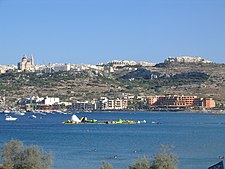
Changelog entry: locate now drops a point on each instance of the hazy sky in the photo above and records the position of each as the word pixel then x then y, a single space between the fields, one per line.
pixel 93 31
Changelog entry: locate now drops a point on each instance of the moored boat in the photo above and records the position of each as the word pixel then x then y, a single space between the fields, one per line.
pixel 10 118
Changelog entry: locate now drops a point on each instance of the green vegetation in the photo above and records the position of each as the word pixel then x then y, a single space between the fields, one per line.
pixel 16 155
pixel 105 165
pixel 164 159
pixel 143 163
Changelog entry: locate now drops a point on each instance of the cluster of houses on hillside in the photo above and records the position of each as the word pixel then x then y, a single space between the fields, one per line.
pixel 28 65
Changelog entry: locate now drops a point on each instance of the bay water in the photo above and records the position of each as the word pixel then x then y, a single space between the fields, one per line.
pixel 198 138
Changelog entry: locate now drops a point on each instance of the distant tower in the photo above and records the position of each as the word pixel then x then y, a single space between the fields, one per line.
pixel 24 59
pixel 32 60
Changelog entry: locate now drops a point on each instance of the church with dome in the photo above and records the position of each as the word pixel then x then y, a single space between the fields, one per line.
pixel 27 65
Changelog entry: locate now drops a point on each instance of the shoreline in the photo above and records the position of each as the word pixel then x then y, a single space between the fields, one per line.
pixel 219 111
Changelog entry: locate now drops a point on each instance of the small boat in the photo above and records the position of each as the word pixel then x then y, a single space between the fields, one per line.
pixel 10 118
pixel 6 111
pixel 33 117
pixel 19 113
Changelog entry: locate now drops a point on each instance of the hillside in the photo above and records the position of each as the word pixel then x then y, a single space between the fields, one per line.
pixel 204 80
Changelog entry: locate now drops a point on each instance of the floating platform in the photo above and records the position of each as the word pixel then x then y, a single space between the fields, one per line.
pixel 84 120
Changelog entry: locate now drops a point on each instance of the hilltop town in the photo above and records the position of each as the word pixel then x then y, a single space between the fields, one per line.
pixel 178 83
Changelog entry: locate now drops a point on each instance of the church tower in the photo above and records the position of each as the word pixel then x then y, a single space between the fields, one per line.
pixel 32 60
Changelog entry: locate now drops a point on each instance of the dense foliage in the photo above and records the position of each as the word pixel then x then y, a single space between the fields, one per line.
pixel 16 155
pixel 164 159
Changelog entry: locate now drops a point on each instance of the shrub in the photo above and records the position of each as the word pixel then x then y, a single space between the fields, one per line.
pixel 164 159
pixel 143 163
pixel 17 156
pixel 106 165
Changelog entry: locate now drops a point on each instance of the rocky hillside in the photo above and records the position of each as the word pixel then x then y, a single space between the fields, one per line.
pixel 205 80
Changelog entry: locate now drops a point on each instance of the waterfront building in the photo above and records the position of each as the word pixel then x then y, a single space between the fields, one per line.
pixel 113 104
pixel 35 102
pixel 50 100
pixel 207 103
pixel 27 65
pixel 84 106
pixel 180 101
pixel 42 100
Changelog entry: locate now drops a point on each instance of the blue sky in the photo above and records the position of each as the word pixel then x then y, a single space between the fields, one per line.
pixel 93 31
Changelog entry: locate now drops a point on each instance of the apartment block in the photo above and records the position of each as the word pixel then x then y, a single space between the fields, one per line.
pixel 113 104
pixel 180 101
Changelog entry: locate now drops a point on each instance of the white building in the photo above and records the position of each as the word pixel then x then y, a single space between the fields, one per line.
pixel 113 104
pixel 43 100
pixel 5 68
pixel 146 64
pixel 59 67
pixel 2 70
pixel 187 59
pixel 121 63
pixel 51 100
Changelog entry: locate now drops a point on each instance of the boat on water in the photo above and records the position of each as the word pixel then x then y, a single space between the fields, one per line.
pixel 6 111
pixel 20 113
pixel 10 118
pixel 33 117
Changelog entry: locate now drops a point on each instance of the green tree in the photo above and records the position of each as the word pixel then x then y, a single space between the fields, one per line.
pixel 165 159
pixel 17 156
pixel 162 160
pixel 106 165
pixel 143 163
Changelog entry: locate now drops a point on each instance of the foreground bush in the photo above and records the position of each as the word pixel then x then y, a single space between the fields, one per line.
pixel 17 156
pixel 164 159
pixel 106 166
pixel 143 163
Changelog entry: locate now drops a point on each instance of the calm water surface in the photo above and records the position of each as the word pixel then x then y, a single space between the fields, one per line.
pixel 199 139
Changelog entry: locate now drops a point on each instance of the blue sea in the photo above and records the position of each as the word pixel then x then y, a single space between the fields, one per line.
pixel 199 139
